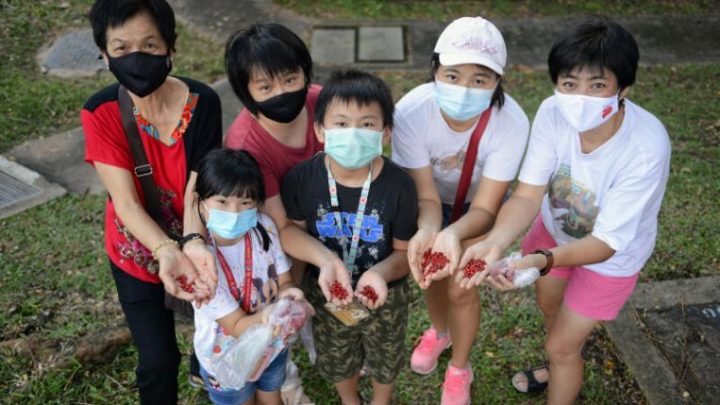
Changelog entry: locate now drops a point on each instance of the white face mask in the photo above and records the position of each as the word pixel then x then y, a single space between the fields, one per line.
pixel 585 112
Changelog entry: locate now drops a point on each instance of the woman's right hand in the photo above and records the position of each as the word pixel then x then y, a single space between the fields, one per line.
pixel 483 250
pixel 421 242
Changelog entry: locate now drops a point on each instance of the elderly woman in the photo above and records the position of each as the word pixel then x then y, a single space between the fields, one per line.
pixel 177 121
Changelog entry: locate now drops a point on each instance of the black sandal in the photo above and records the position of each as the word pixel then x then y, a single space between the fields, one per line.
pixel 533 385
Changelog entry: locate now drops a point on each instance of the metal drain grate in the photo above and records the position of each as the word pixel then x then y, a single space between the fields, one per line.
pixel 13 190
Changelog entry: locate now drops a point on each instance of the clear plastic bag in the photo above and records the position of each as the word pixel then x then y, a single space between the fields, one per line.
pixel 251 353
pixel 521 277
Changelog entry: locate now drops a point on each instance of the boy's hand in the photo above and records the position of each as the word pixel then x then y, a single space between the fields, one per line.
pixel 331 271
pixel 419 244
pixel 483 250
pixel 377 283
pixel 292 293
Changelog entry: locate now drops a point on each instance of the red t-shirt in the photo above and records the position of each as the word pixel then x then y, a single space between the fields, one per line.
pixel 274 158
pixel 198 131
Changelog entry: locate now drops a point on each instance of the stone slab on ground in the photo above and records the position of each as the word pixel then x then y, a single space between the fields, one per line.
pixel 669 336
pixel 333 46
pixel 15 179
pixel 381 44
pixel 73 54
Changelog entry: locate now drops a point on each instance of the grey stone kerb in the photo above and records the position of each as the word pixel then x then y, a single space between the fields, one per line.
pixel 669 340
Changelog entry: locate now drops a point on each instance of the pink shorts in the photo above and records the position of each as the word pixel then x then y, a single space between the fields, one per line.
pixel 587 293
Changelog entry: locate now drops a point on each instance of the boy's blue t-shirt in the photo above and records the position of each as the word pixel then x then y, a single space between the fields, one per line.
pixel 391 210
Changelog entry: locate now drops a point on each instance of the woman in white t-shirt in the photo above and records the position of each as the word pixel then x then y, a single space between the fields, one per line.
pixel 604 163
pixel 434 126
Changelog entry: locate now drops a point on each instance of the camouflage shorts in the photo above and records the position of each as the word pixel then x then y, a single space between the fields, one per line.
pixel 378 340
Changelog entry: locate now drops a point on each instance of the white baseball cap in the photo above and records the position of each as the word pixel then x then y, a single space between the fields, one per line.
pixel 472 40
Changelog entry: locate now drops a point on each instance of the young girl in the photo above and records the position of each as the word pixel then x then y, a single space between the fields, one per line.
pixel 435 125
pixel 591 184
pixel 229 191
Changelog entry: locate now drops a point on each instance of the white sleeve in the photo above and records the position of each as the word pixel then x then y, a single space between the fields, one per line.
pixel 507 151
pixel 541 157
pixel 627 201
pixel 222 304
pixel 407 147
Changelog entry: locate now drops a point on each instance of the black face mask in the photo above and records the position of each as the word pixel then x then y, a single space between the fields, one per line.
pixel 141 73
pixel 283 107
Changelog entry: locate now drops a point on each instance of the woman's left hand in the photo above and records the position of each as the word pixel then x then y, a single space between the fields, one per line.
pixel 173 265
pixel 204 262
pixel 500 282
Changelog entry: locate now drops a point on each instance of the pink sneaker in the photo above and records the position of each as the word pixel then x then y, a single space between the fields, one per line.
pixel 425 356
pixel 456 389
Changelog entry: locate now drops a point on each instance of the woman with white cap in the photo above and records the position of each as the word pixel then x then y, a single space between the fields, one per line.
pixel 461 139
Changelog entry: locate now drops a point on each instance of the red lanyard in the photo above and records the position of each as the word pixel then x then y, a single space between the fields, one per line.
pixel 247 291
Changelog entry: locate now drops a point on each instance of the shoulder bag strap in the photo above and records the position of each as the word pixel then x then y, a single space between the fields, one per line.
pixel 142 169
pixel 469 164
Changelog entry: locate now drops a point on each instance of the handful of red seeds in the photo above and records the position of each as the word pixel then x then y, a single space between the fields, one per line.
pixel 182 280
pixel 433 261
pixel 369 293
pixel 338 291
pixel 473 267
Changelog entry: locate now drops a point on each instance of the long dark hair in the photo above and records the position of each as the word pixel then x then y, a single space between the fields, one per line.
pixel 232 173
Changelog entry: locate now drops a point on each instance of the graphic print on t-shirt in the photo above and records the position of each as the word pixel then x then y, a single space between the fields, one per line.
pixel 450 162
pixel 371 232
pixel 576 202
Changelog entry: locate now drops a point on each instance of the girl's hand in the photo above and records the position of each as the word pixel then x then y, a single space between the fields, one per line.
pixel 483 250
pixel 292 293
pixel 376 282
pixel 204 262
pixel 421 242
pixel 331 271
pixel 447 243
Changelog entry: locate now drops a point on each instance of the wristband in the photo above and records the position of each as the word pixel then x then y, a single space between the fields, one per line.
pixel 549 259
pixel 190 237
pixel 162 244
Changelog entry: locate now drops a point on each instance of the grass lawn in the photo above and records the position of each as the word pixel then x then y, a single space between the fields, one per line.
pixel 55 284
pixel 446 9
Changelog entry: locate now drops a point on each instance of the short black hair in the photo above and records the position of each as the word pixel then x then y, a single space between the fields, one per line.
pixel 498 97
pixel 231 173
pixel 358 87
pixel 597 42
pixel 267 47
pixel 113 13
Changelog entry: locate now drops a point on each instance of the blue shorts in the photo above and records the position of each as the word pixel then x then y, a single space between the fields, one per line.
pixel 271 380
pixel 447 213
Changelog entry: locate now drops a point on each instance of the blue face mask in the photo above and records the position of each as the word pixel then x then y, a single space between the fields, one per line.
pixel 462 103
pixel 231 225
pixel 353 148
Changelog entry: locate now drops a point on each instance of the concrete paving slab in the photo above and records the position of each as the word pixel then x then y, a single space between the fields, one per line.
pixel 333 46
pixel 73 54
pixel 40 189
pixel 669 336
pixel 381 44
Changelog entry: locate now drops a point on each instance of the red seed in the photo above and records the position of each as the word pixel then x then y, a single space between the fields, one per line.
pixel 473 267
pixel 338 291
pixel 433 261
pixel 182 280
pixel 369 293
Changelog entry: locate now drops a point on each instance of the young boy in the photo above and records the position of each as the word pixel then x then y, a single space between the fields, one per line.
pixel 363 207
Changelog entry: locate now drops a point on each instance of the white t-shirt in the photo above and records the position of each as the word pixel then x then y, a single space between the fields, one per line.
pixel 421 138
pixel 613 193
pixel 210 340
